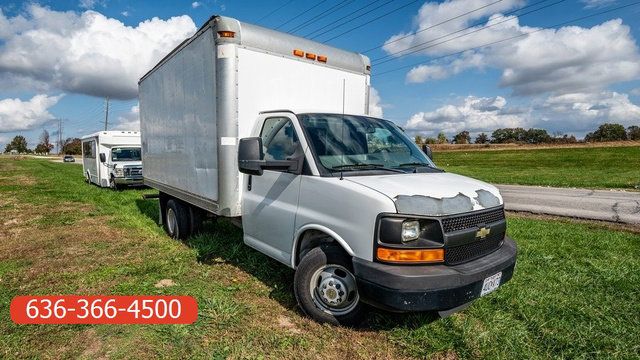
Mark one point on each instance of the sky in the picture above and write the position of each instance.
(477, 65)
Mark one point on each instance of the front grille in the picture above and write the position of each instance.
(474, 250)
(133, 171)
(463, 222)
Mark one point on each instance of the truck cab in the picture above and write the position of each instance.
(366, 217)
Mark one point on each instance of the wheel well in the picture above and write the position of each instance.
(311, 239)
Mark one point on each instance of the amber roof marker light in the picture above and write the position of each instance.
(226, 34)
(298, 53)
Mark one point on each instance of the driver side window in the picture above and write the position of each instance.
(279, 139)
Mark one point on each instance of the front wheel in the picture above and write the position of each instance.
(326, 288)
(113, 185)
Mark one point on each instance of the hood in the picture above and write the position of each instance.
(433, 194)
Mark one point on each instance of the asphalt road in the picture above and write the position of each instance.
(607, 205)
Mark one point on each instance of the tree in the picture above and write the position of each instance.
(442, 138)
(482, 138)
(537, 136)
(430, 140)
(418, 139)
(462, 138)
(72, 146)
(508, 135)
(607, 132)
(45, 146)
(633, 132)
(19, 143)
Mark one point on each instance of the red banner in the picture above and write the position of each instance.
(74, 309)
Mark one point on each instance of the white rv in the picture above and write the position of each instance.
(112, 158)
(271, 130)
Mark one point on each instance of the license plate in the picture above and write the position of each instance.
(490, 284)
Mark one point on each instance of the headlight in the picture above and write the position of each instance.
(410, 230)
(119, 172)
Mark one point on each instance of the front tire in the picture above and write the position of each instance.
(176, 222)
(112, 184)
(326, 288)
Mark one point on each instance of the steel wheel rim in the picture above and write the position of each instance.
(334, 290)
(171, 221)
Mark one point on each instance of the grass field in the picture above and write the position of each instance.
(591, 167)
(574, 295)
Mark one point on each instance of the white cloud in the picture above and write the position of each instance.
(18, 115)
(375, 105)
(584, 111)
(195, 4)
(564, 60)
(129, 121)
(590, 4)
(86, 53)
(125, 13)
(635, 92)
(473, 113)
(90, 4)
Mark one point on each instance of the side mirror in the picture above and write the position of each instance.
(250, 156)
(250, 159)
(103, 157)
(427, 150)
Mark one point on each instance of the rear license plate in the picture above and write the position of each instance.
(491, 283)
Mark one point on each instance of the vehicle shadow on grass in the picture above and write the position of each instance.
(221, 241)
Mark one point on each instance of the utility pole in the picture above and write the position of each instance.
(106, 113)
(60, 137)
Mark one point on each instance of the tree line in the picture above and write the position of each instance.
(605, 132)
(70, 146)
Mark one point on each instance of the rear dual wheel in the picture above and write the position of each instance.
(182, 220)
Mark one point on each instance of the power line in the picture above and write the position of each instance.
(302, 13)
(372, 20)
(346, 16)
(378, 62)
(510, 38)
(336, 7)
(435, 25)
(274, 11)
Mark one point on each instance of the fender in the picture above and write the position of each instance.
(325, 230)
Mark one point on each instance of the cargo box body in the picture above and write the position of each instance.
(207, 93)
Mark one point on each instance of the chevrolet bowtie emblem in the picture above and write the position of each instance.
(483, 232)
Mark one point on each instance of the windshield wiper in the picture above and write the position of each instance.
(415, 164)
(364, 166)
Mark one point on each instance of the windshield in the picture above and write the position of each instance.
(126, 154)
(348, 142)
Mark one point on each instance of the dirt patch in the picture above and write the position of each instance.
(165, 283)
(494, 147)
(94, 344)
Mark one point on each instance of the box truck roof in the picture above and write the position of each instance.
(276, 42)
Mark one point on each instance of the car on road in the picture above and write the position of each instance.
(68, 158)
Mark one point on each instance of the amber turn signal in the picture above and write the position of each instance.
(410, 255)
(226, 34)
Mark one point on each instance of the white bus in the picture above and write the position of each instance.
(112, 158)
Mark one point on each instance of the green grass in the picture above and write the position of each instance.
(574, 294)
(591, 167)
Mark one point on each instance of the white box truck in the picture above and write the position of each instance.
(271, 131)
(112, 158)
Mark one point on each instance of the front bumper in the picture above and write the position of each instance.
(431, 287)
(128, 180)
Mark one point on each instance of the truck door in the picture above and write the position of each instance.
(270, 201)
